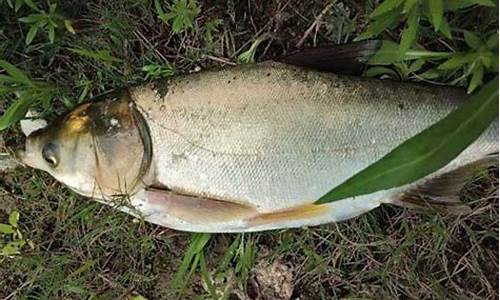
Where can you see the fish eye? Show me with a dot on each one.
(50, 154)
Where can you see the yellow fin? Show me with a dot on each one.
(305, 211)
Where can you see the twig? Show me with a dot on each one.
(315, 23)
(221, 60)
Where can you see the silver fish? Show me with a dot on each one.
(248, 148)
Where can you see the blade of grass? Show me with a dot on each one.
(206, 277)
(16, 73)
(198, 242)
(16, 111)
(426, 152)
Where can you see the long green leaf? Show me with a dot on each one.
(15, 73)
(385, 7)
(389, 53)
(198, 242)
(16, 111)
(380, 24)
(436, 10)
(103, 55)
(426, 152)
(410, 33)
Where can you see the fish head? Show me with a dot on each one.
(100, 149)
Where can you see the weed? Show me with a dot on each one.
(181, 14)
(11, 233)
(43, 20)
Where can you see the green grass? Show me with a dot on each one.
(84, 250)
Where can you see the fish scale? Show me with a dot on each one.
(278, 136)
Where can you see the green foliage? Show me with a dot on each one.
(154, 71)
(101, 55)
(388, 14)
(28, 93)
(249, 55)
(209, 29)
(18, 4)
(426, 152)
(181, 14)
(482, 57)
(42, 20)
(190, 261)
(11, 238)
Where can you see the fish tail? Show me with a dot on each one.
(442, 193)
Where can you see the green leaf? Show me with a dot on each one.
(159, 11)
(191, 258)
(457, 61)
(385, 7)
(453, 5)
(14, 218)
(427, 151)
(378, 71)
(380, 24)
(19, 4)
(206, 277)
(104, 55)
(431, 74)
(409, 5)
(436, 10)
(16, 73)
(492, 42)
(477, 78)
(15, 112)
(52, 34)
(32, 5)
(33, 18)
(494, 64)
(183, 13)
(486, 58)
(249, 55)
(387, 54)
(6, 229)
(31, 34)
(445, 28)
(10, 249)
(472, 40)
(410, 33)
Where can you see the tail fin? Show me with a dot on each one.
(348, 58)
(441, 193)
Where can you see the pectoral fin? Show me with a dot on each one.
(442, 192)
(196, 209)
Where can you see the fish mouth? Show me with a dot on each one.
(23, 158)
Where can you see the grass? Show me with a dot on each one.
(84, 250)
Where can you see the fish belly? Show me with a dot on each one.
(276, 136)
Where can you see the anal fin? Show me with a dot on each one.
(442, 192)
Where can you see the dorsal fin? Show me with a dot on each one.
(441, 193)
(347, 59)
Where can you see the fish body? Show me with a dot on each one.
(252, 147)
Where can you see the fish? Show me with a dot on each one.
(252, 147)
